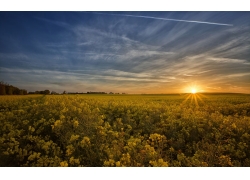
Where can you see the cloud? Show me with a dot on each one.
(166, 19)
(58, 23)
(239, 75)
(228, 60)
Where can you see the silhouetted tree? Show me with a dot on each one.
(6, 89)
(9, 90)
(2, 89)
(16, 91)
(53, 92)
(46, 92)
(25, 92)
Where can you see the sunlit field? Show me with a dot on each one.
(175, 130)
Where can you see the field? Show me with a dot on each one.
(125, 130)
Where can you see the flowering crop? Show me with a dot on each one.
(125, 130)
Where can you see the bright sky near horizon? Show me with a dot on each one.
(131, 52)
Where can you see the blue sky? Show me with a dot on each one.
(132, 52)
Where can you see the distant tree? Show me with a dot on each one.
(20, 92)
(53, 92)
(64, 92)
(16, 91)
(6, 89)
(9, 90)
(46, 91)
(25, 92)
(2, 89)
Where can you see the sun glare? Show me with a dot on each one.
(193, 91)
(192, 88)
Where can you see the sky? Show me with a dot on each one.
(126, 52)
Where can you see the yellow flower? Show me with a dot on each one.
(73, 137)
(118, 164)
(58, 123)
(159, 163)
(110, 162)
(234, 126)
(85, 141)
(64, 164)
(70, 150)
(75, 124)
(74, 161)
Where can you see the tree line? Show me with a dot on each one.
(6, 89)
(41, 92)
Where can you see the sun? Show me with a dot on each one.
(193, 91)
(192, 88)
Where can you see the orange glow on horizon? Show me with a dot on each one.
(193, 88)
(193, 91)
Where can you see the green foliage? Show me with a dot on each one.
(124, 130)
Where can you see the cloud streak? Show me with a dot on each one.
(166, 19)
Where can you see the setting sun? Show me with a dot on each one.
(193, 91)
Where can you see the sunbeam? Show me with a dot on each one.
(194, 99)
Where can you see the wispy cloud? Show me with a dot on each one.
(59, 23)
(166, 19)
